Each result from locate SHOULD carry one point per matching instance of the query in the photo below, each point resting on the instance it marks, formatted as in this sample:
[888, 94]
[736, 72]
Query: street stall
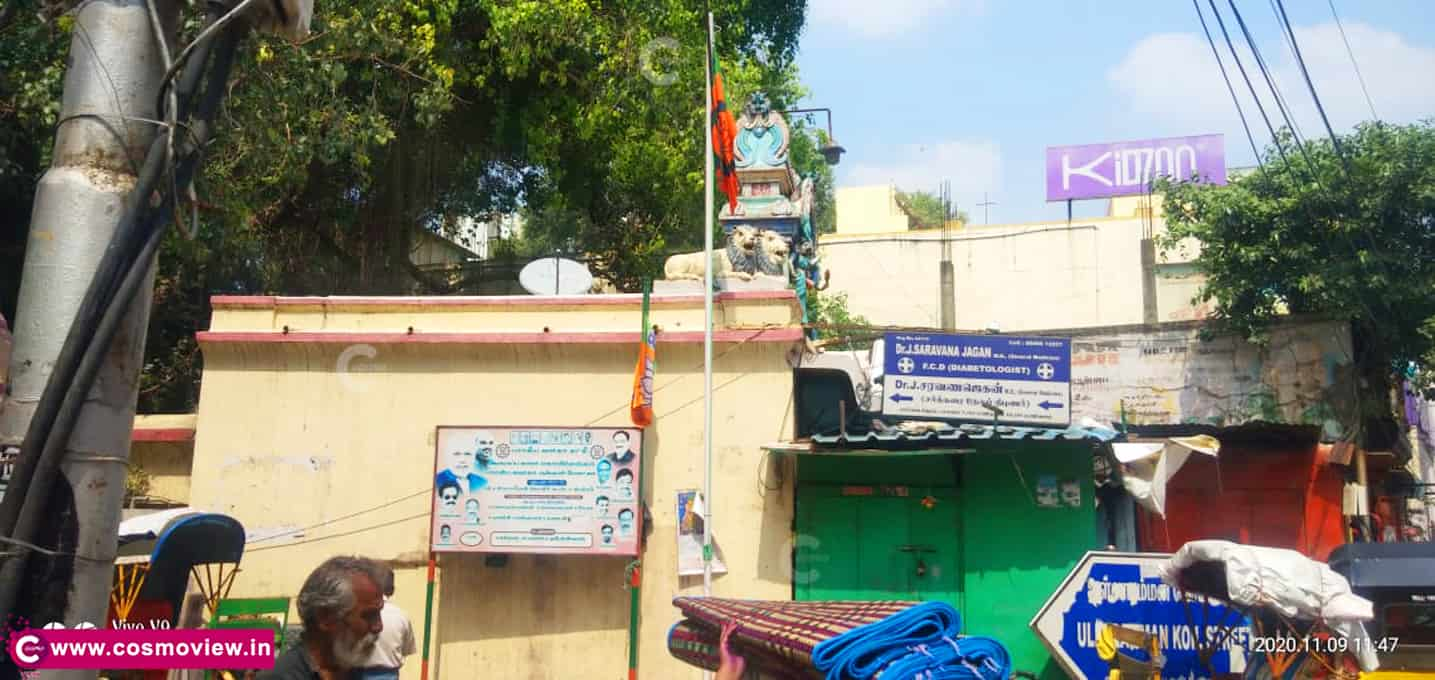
[1262, 484]
[1399, 578]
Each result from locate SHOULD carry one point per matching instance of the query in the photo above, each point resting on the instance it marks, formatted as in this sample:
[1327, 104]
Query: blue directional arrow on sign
[959, 377]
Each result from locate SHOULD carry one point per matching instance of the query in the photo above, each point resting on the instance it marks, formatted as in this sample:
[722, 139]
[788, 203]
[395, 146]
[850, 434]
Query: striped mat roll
[836, 640]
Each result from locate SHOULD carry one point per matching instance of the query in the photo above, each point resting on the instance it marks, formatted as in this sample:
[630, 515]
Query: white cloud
[1400, 76]
[972, 166]
[884, 19]
[1169, 83]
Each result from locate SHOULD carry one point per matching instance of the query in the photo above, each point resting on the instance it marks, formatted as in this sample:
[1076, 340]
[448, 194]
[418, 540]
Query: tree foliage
[926, 210]
[634, 245]
[396, 116]
[1349, 235]
[836, 322]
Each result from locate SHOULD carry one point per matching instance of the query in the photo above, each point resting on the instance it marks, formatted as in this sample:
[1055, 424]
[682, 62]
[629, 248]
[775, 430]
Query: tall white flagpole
[708, 326]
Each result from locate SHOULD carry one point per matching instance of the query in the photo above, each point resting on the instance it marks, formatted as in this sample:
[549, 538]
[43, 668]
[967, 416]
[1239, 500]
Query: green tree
[633, 245]
[1348, 234]
[403, 115]
[926, 209]
[835, 322]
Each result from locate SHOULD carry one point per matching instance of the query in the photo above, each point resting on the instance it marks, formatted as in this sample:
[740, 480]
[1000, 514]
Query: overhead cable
[1280, 148]
[1300, 61]
[1275, 91]
[1226, 76]
[1353, 62]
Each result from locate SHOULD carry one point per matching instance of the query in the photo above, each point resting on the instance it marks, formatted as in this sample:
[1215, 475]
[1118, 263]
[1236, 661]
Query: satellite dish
[556, 276]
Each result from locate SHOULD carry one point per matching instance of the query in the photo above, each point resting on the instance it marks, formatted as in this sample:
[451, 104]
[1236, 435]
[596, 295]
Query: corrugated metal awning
[808, 449]
[956, 440]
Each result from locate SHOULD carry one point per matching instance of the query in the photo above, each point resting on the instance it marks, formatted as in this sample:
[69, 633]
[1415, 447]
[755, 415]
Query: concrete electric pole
[76, 268]
[106, 126]
[949, 275]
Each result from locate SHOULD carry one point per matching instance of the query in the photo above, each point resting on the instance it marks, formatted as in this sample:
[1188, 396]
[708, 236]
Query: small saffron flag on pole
[724, 133]
[641, 407]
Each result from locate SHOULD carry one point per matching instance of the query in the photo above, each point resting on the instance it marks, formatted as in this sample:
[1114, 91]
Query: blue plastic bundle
[965, 658]
[920, 642]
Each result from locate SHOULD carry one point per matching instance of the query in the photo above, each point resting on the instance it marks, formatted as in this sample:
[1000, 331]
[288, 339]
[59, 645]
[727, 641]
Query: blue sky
[973, 91]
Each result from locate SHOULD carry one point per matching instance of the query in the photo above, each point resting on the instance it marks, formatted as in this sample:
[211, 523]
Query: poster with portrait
[550, 490]
[690, 536]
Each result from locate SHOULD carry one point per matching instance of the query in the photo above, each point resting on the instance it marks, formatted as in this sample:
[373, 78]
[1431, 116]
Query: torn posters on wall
[1303, 376]
[690, 536]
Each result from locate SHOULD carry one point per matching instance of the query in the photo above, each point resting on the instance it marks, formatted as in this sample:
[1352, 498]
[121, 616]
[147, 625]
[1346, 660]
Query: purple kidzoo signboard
[1127, 168]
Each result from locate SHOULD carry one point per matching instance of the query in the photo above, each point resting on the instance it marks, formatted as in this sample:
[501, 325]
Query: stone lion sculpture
[774, 255]
[739, 260]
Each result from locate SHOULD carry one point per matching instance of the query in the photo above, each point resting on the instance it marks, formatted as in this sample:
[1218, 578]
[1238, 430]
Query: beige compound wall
[869, 209]
[286, 440]
[1015, 277]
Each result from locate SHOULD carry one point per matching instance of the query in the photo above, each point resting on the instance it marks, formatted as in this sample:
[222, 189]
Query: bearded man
[340, 606]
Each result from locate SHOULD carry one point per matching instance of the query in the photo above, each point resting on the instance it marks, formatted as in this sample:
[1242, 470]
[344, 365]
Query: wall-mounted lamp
[833, 151]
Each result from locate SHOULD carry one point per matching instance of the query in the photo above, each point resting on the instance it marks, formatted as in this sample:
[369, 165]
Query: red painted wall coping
[274, 301]
[163, 434]
[779, 334]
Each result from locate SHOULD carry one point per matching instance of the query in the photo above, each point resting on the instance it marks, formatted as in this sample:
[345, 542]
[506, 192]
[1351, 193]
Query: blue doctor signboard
[965, 377]
[1125, 589]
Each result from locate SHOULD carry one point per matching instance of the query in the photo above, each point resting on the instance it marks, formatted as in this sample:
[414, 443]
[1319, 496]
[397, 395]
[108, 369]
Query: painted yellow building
[869, 208]
[316, 426]
[162, 446]
[1021, 277]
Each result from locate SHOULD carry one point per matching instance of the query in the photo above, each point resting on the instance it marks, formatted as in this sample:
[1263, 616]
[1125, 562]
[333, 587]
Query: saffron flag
[724, 133]
[641, 406]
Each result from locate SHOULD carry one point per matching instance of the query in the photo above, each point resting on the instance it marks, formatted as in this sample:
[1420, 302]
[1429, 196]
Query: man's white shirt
[395, 642]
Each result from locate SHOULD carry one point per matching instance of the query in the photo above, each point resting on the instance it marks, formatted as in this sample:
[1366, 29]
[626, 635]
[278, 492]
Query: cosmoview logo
[651, 53]
[55, 648]
[29, 649]
[345, 366]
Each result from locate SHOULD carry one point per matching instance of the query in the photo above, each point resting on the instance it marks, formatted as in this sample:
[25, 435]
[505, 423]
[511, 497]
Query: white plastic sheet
[1147, 467]
[1287, 583]
[153, 523]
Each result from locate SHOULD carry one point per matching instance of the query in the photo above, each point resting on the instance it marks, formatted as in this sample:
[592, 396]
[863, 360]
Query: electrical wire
[360, 530]
[122, 269]
[1231, 45]
[1275, 91]
[171, 111]
[1373, 318]
[1299, 60]
[427, 490]
[1373, 240]
[336, 520]
[1353, 62]
[936, 238]
[114, 315]
[591, 423]
[1290, 47]
[125, 243]
[1226, 76]
[205, 34]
